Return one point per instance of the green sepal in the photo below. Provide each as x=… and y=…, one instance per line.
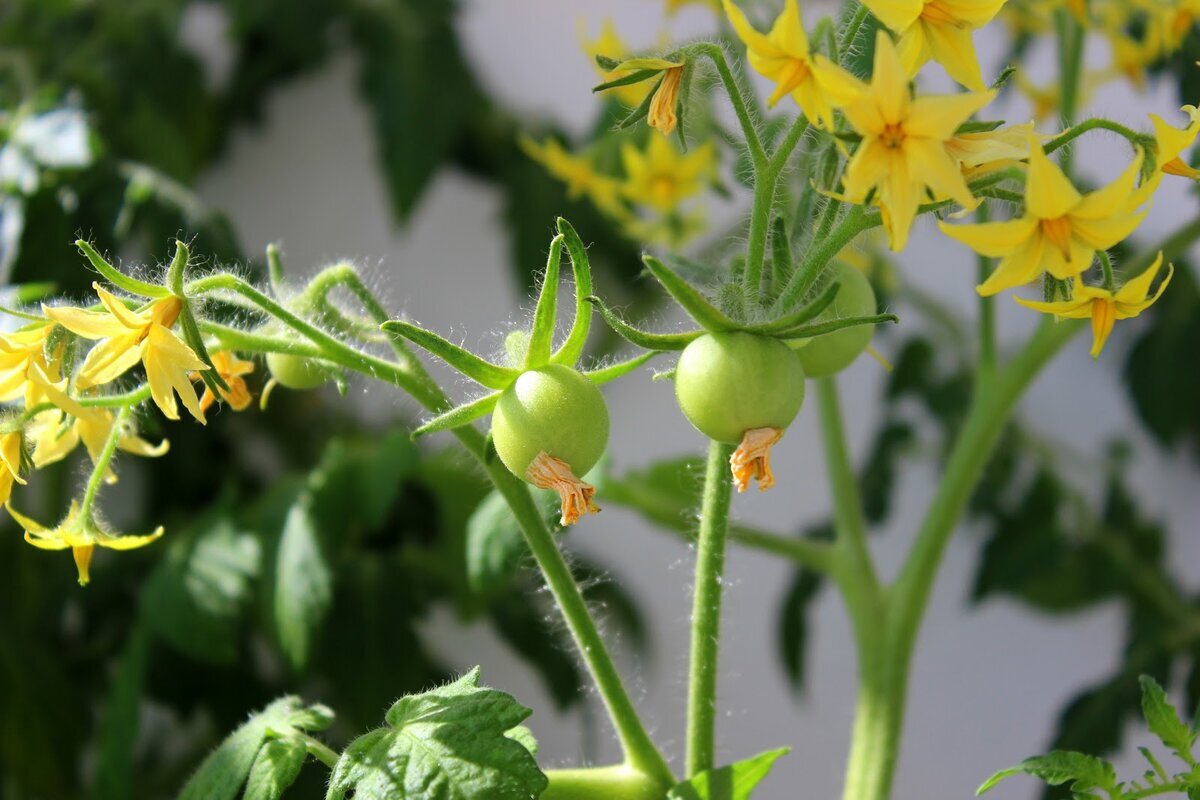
x=685, y=87
x=1004, y=77
x=627, y=80
x=604, y=62
x=689, y=298
x=979, y=126
x=177, y=267
x=485, y=373
x=799, y=316
x=275, y=267
x=191, y=335
x=459, y=415
x=644, y=339
x=603, y=375
x=642, y=110
x=118, y=278
x=733, y=782
x=541, y=335
x=28, y=293
x=572, y=347
x=809, y=331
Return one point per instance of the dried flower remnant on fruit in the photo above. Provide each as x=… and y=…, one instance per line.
x=752, y=459
x=548, y=472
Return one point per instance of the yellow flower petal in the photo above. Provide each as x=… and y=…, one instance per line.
x=88, y=324
x=896, y=14
x=951, y=46
x=129, y=542
x=1019, y=267
x=992, y=239
x=1048, y=192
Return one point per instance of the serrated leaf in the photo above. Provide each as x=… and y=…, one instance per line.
x=1163, y=720
x=450, y=743
x=221, y=775
x=733, y=782
x=303, y=584
x=1084, y=772
x=275, y=769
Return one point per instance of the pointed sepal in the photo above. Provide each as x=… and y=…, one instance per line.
x=572, y=347
x=821, y=328
x=118, y=278
x=644, y=339
x=689, y=298
x=541, y=336
x=483, y=372
x=459, y=416
x=603, y=375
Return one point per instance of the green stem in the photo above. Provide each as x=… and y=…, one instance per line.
x=851, y=30
x=765, y=186
x=987, y=313
x=100, y=467
x=810, y=553
x=820, y=252
x=601, y=783
x=706, y=610
x=1070, y=54
x=130, y=398
x=885, y=654
x=716, y=53
x=1133, y=137
x=321, y=752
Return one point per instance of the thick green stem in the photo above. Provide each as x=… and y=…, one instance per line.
x=820, y=253
x=987, y=313
x=1096, y=123
x=885, y=652
x=760, y=224
x=706, y=610
x=1070, y=53
x=601, y=783
x=100, y=467
x=851, y=30
x=758, y=156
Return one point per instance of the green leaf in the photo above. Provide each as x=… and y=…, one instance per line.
x=1163, y=720
x=221, y=775
x=572, y=347
x=644, y=339
x=275, y=769
x=303, y=584
x=495, y=544
x=794, y=624
x=196, y=596
x=477, y=369
x=459, y=415
x=733, y=782
x=419, y=87
x=689, y=298
x=1060, y=766
x=541, y=336
x=449, y=743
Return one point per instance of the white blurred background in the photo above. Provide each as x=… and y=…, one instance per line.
x=987, y=682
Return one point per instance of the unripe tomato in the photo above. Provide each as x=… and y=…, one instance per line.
x=295, y=372
x=833, y=352
x=729, y=383
x=551, y=409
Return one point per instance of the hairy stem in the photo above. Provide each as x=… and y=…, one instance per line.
x=706, y=610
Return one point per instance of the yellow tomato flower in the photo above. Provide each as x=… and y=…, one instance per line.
x=130, y=336
x=79, y=533
x=55, y=435
x=903, y=148
x=610, y=45
x=19, y=351
x=1105, y=307
x=12, y=448
x=1170, y=142
x=579, y=174
x=1061, y=229
x=662, y=177
x=784, y=56
x=994, y=149
x=232, y=370
x=939, y=30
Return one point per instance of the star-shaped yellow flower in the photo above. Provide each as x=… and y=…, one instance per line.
x=784, y=56
x=1061, y=229
x=1106, y=307
x=939, y=30
x=53, y=438
x=1171, y=142
x=233, y=371
x=130, y=336
x=12, y=446
x=903, y=149
x=662, y=177
x=579, y=173
x=19, y=351
x=79, y=533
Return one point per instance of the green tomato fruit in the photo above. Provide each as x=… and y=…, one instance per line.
x=833, y=352
x=729, y=383
x=295, y=372
x=551, y=409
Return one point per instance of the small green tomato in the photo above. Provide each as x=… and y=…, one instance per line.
x=549, y=427
x=295, y=372
x=832, y=352
x=731, y=383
